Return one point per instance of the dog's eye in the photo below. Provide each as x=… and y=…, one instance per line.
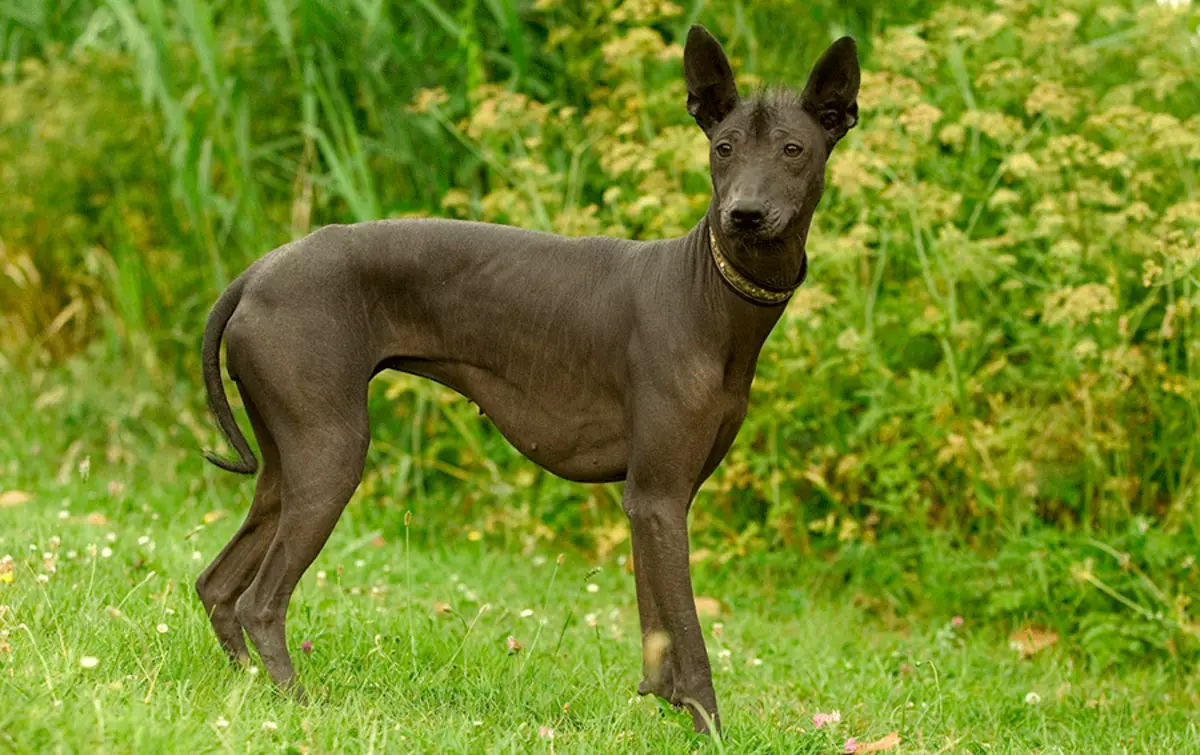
x=792, y=150
x=724, y=149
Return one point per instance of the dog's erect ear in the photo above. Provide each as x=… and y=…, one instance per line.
x=712, y=92
x=831, y=94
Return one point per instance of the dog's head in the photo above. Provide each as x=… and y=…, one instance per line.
x=767, y=152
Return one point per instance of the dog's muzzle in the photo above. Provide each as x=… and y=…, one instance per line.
x=751, y=220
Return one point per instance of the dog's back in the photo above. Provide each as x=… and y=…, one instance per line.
x=532, y=326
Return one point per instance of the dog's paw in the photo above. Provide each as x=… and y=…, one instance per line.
x=663, y=688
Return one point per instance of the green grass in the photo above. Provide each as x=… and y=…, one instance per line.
x=390, y=672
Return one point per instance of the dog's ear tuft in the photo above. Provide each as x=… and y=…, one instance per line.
x=831, y=94
x=712, y=92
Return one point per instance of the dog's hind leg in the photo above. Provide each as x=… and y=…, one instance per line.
x=322, y=451
x=230, y=573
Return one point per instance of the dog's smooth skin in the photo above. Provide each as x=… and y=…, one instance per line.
x=600, y=359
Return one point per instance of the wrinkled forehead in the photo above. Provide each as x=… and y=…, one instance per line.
x=760, y=115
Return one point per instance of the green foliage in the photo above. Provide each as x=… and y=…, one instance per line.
x=77, y=229
x=990, y=378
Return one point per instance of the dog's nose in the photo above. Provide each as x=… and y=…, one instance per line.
x=748, y=213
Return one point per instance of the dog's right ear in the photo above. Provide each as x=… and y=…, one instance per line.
x=712, y=92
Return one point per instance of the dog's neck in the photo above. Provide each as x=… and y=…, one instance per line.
x=712, y=292
x=762, y=274
x=778, y=265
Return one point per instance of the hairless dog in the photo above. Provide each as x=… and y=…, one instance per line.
x=600, y=359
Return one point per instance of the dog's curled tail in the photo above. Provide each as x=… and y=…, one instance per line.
x=218, y=402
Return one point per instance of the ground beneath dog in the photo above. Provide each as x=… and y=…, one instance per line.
x=459, y=647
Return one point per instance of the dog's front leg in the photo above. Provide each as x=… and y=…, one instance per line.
x=675, y=661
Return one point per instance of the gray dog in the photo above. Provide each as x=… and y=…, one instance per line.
x=600, y=359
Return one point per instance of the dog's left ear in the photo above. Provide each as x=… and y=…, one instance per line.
x=831, y=94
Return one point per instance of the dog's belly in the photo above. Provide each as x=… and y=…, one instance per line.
x=578, y=437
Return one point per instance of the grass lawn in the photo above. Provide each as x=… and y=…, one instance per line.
x=427, y=668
